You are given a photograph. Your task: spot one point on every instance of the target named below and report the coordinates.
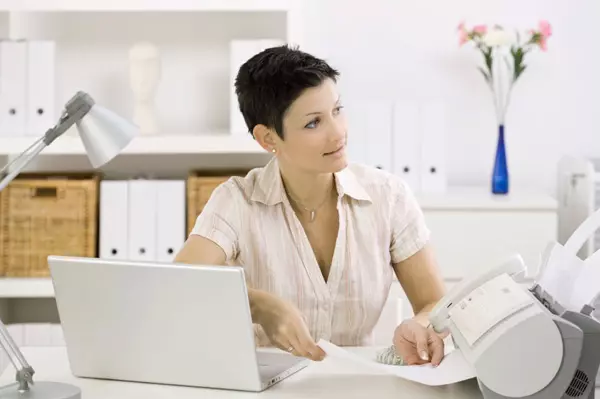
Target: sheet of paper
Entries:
(453, 368)
(587, 287)
(560, 271)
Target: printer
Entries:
(536, 342)
(520, 341)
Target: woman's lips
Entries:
(339, 151)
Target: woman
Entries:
(319, 239)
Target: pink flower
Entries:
(481, 29)
(463, 37)
(545, 28)
(543, 43)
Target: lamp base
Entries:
(42, 390)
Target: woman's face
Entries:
(314, 132)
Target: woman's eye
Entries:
(337, 110)
(312, 124)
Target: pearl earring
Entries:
(273, 150)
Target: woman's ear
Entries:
(266, 137)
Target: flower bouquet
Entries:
(503, 54)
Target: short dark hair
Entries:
(269, 82)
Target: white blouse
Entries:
(380, 223)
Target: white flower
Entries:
(498, 37)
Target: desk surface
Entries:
(327, 379)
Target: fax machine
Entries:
(520, 341)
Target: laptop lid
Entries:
(153, 322)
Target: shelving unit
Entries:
(92, 39)
(145, 5)
(14, 288)
(150, 145)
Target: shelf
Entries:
(151, 145)
(479, 198)
(145, 5)
(26, 288)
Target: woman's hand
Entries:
(283, 324)
(417, 344)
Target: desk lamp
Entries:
(104, 135)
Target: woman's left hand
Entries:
(417, 344)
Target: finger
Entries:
(281, 339)
(283, 344)
(288, 342)
(436, 347)
(407, 351)
(444, 334)
(422, 343)
(299, 350)
(312, 350)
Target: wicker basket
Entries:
(200, 186)
(47, 215)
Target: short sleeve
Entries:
(409, 230)
(219, 220)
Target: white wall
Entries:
(389, 49)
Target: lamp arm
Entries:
(75, 110)
(25, 372)
(15, 160)
(23, 160)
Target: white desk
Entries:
(327, 379)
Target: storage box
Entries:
(199, 188)
(42, 215)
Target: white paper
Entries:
(562, 276)
(587, 286)
(452, 369)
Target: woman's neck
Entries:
(308, 190)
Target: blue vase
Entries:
(500, 176)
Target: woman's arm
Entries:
(280, 320)
(421, 281)
(199, 250)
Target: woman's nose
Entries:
(339, 129)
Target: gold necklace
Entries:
(313, 211)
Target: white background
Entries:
(390, 49)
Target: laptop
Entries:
(163, 323)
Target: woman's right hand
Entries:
(284, 325)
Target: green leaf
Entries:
(520, 71)
(487, 54)
(518, 56)
(485, 74)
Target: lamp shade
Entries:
(104, 134)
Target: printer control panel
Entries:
(488, 304)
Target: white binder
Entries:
(406, 143)
(57, 337)
(40, 87)
(13, 83)
(170, 225)
(578, 194)
(38, 334)
(433, 148)
(114, 218)
(370, 133)
(357, 132)
(241, 51)
(379, 135)
(142, 219)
